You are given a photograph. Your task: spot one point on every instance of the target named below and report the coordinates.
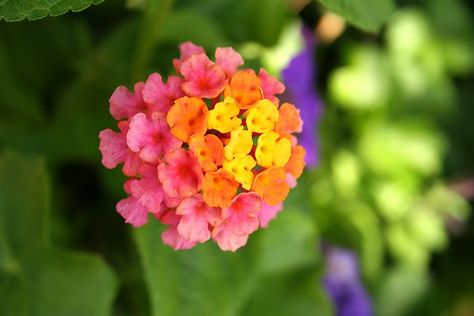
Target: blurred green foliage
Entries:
(396, 125)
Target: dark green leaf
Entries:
(369, 15)
(36, 278)
(17, 10)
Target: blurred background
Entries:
(378, 224)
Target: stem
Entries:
(152, 20)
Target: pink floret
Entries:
(180, 173)
(268, 213)
(159, 96)
(196, 218)
(229, 60)
(132, 211)
(240, 220)
(202, 77)
(148, 189)
(151, 137)
(186, 49)
(270, 86)
(171, 236)
(114, 150)
(125, 104)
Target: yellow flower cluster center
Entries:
(258, 122)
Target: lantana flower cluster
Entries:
(210, 152)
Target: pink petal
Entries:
(203, 78)
(151, 137)
(228, 241)
(148, 189)
(112, 147)
(268, 212)
(240, 220)
(171, 236)
(196, 218)
(187, 49)
(180, 173)
(124, 104)
(270, 86)
(132, 211)
(229, 60)
(160, 96)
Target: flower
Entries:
(342, 283)
(210, 153)
(299, 77)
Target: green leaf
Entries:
(369, 15)
(17, 10)
(207, 281)
(35, 277)
(200, 281)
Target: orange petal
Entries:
(295, 165)
(219, 188)
(187, 117)
(289, 120)
(245, 88)
(271, 185)
(209, 151)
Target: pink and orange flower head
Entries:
(210, 153)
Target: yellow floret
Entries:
(224, 116)
(239, 145)
(262, 117)
(241, 168)
(272, 150)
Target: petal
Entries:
(229, 60)
(203, 78)
(187, 49)
(112, 147)
(180, 173)
(289, 119)
(268, 212)
(171, 236)
(242, 215)
(188, 117)
(151, 137)
(148, 189)
(160, 96)
(245, 88)
(270, 86)
(271, 185)
(229, 241)
(219, 188)
(295, 165)
(125, 104)
(132, 211)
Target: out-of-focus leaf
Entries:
(289, 242)
(369, 15)
(299, 293)
(399, 290)
(16, 10)
(364, 83)
(204, 31)
(201, 281)
(35, 277)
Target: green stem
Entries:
(152, 20)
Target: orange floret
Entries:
(295, 165)
(245, 88)
(289, 119)
(208, 149)
(219, 188)
(271, 185)
(187, 117)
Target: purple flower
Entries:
(299, 78)
(343, 285)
